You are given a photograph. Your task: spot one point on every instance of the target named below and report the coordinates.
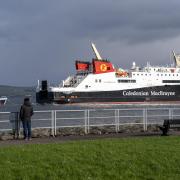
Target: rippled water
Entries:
(99, 113)
(13, 104)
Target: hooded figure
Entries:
(25, 114)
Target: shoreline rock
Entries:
(69, 131)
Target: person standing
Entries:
(26, 111)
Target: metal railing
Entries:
(87, 119)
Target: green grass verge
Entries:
(124, 158)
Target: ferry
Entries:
(100, 81)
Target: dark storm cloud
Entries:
(140, 20)
(132, 21)
(40, 39)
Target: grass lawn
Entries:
(123, 158)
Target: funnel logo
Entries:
(103, 67)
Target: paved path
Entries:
(61, 139)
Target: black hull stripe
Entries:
(157, 93)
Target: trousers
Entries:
(26, 128)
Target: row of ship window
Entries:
(156, 69)
(134, 81)
(157, 74)
(97, 80)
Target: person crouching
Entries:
(26, 111)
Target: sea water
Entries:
(99, 113)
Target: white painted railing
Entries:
(87, 119)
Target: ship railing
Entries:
(68, 81)
(79, 79)
(83, 73)
(56, 122)
(73, 81)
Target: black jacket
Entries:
(26, 111)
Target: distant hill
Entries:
(16, 91)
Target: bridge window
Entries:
(171, 81)
(126, 81)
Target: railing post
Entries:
(55, 121)
(145, 119)
(15, 121)
(85, 121)
(52, 123)
(17, 125)
(170, 113)
(88, 113)
(117, 120)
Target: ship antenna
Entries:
(96, 52)
(174, 56)
(176, 59)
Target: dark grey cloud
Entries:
(40, 39)
(131, 21)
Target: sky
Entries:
(41, 39)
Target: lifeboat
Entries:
(121, 73)
(172, 70)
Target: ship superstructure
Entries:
(101, 81)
